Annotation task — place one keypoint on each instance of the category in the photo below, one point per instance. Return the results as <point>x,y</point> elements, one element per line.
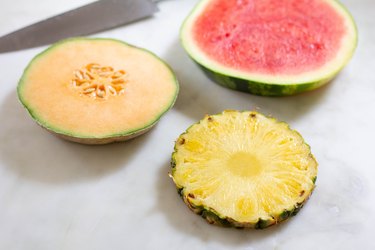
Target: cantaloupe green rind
<point>214,217</point>
<point>267,85</point>
<point>85,138</point>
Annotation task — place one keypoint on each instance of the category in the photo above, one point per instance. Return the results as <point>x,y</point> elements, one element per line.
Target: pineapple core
<point>245,165</point>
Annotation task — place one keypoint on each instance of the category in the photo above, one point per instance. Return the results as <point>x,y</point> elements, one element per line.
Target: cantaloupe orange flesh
<point>47,92</point>
<point>270,36</point>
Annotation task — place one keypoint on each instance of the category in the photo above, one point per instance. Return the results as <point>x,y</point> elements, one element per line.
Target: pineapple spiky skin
<point>211,215</point>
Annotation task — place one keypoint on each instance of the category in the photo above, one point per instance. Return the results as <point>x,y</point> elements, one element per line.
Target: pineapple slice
<point>243,169</point>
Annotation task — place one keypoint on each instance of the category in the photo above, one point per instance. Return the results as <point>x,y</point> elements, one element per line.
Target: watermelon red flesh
<point>270,36</point>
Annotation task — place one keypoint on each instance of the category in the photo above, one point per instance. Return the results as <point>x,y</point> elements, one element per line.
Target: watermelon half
<point>270,47</point>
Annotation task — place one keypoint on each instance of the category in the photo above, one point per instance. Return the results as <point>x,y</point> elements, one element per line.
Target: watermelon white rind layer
<point>270,84</point>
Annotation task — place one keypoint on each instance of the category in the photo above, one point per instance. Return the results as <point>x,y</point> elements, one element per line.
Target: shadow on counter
<point>182,219</point>
<point>33,153</point>
<point>200,96</point>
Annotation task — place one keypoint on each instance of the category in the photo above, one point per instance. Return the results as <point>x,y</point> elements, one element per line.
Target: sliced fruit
<point>270,47</point>
<point>243,169</point>
<point>97,91</point>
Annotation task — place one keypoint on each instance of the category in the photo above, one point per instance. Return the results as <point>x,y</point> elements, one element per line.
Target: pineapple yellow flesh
<point>244,166</point>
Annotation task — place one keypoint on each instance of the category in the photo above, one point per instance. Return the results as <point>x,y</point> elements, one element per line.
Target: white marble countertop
<point>60,195</point>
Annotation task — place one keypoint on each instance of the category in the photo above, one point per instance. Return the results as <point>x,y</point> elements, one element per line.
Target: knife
<point>94,17</point>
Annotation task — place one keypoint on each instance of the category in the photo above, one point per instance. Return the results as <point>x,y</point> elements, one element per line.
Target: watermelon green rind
<point>83,138</point>
<point>265,85</point>
<point>259,88</point>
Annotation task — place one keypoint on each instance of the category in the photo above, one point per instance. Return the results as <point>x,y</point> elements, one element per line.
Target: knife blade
<point>88,19</point>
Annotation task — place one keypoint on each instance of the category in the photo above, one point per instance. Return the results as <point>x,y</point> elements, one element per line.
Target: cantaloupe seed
<point>98,81</point>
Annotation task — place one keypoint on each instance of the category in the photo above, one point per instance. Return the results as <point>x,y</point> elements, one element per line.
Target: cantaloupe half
<point>97,91</point>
